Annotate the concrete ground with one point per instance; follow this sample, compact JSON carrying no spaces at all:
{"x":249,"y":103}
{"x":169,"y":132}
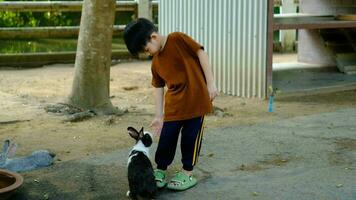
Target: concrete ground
{"x":312,"y":156}
{"x":292,"y":79}
{"x":309,"y":157}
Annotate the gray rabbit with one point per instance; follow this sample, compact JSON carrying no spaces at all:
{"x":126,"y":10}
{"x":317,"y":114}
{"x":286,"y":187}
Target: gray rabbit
{"x":38,"y":159}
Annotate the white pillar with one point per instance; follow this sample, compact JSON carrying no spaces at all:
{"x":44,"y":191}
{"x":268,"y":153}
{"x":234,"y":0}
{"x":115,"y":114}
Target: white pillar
{"x":144,"y":9}
{"x":288,"y":37}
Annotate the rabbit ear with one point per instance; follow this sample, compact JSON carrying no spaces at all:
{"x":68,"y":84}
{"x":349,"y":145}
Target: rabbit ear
{"x":5,"y":147}
{"x":12,"y":150}
{"x":141,"y":132}
{"x":133,"y":132}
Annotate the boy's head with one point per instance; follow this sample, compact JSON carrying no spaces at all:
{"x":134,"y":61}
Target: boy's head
{"x":141,"y":36}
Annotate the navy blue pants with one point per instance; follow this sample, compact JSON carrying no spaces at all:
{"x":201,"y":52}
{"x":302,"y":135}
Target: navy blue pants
{"x":191,"y":137}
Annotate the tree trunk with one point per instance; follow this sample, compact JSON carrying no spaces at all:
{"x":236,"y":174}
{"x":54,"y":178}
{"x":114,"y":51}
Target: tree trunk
{"x":91,"y":83}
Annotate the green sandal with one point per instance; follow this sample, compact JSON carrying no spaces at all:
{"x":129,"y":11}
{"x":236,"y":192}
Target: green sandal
{"x":181,"y":182}
{"x":160,"y":178}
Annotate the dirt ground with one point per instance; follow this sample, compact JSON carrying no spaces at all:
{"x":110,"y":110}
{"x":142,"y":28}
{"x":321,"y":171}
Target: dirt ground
{"x":25,"y":92}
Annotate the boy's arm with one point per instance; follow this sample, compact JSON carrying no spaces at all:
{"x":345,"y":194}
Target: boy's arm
{"x":157,"y":122}
{"x":159,"y":101}
{"x":204,"y":62}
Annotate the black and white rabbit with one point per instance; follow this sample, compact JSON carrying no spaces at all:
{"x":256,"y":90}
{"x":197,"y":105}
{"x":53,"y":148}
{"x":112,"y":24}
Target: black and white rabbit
{"x":140,"y":172}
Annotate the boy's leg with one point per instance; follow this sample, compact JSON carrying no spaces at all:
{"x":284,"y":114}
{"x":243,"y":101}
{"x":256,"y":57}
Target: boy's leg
{"x":191,"y":139}
{"x":167,"y":144}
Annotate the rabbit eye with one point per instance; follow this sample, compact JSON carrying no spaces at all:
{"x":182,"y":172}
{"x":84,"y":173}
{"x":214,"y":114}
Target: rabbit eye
{"x":147,"y":140}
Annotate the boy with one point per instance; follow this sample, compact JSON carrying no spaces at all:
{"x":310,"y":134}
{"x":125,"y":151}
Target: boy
{"x":180,"y":64}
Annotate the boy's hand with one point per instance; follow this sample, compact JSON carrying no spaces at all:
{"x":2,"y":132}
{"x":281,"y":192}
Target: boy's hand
{"x":213,"y":92}
{"x":157,"y":125}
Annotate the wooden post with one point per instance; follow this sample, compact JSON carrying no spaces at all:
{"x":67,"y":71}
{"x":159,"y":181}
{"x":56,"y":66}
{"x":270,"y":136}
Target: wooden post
{"x":288,"y":37}
{"x":39,"y":59}
{"x":46,"y":32}
{"x":145,"y":9}
{"x":72,"y":6}
{"x":269,"y":70}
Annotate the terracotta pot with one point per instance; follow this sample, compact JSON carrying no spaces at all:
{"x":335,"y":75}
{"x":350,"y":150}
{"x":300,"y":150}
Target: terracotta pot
{"x":9,"y":182}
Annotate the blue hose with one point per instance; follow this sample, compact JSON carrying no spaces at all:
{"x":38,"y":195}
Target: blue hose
{"x":270,"y":104}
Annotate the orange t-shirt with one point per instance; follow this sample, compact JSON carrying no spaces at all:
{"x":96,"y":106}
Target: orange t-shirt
{"x":177,"y":66}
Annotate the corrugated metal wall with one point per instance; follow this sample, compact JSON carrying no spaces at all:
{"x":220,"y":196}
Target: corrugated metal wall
{"x":233,"y":32}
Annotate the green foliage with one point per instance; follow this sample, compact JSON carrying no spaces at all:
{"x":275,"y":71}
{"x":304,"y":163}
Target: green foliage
{"x":40,"y":19}
{"x":10,"y":19}
{"x":33,"y":19}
